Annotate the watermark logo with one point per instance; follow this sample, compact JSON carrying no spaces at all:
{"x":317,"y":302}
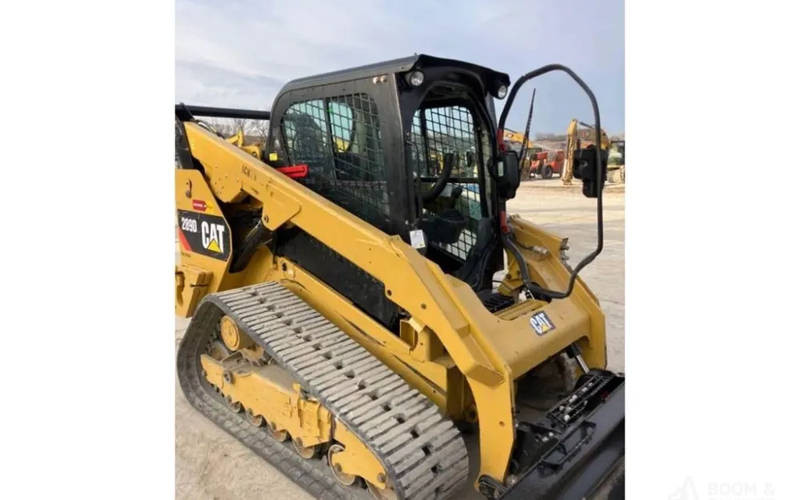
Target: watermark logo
{"x":685,"y":492}
{"x":723,"y":490}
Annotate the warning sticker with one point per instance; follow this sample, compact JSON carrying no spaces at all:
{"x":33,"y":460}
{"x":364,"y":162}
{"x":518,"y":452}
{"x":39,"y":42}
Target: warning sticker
{"x":417,"y":238}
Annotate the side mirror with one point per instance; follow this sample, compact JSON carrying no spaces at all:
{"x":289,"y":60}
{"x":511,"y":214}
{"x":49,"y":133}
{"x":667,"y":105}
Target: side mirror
{"x":585,"y":169}
{"x":508,"y":175}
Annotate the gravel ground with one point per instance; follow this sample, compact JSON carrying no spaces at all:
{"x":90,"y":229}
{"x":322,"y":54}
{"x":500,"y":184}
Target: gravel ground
{"x":212,"y":465}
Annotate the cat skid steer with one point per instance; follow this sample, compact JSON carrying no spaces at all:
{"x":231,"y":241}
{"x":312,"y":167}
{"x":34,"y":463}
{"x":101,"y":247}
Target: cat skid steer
{"x":353,"y":319}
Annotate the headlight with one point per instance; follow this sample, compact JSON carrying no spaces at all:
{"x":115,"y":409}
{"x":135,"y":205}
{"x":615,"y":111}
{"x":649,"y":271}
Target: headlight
{"x":415,"y":78}
{"x":502,"y":91}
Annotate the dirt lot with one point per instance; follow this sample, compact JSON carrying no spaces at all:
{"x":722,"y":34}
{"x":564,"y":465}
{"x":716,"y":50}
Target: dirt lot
{"x":211,"y":465}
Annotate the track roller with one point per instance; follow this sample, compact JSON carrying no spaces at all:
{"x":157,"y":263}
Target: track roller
{"x":234,"y":406}
{"x":338,"y":473}
{"x":279,"y":436}
{"x":254,"y":419}
{"x":306,"y":452}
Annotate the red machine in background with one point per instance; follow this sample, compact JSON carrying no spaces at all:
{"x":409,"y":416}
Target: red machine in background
{"x":547,"y":162}
{"x":537,"y":160}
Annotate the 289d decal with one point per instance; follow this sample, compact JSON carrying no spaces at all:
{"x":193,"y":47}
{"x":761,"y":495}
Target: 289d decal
{"x":204,"y":234}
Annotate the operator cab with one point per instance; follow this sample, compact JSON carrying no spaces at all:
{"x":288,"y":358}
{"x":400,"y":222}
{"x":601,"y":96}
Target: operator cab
{"x":405,"y":145}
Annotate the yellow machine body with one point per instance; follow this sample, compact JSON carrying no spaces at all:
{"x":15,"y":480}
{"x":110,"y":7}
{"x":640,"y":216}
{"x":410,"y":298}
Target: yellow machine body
{"x":486,"y":353}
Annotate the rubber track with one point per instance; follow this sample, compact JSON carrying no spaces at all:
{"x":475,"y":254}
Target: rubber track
{"x":422,"y":451}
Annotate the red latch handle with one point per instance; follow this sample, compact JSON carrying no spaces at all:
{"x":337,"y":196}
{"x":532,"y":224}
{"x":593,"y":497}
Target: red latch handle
{"x":294,"y":171}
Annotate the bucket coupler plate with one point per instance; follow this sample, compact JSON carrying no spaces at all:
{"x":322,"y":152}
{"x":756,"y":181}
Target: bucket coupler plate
{"x":577,"y":447}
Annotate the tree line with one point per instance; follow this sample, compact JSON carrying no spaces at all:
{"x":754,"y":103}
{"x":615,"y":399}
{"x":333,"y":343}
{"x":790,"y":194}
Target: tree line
{"x":253,"y":129}
{"x":548,"y":136}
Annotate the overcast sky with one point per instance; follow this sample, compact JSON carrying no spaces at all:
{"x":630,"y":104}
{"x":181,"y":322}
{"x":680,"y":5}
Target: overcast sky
{"x":239,"y":53}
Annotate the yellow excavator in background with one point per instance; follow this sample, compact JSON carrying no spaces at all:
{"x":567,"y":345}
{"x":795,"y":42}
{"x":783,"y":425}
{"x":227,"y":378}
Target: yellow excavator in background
{"x":353,"y":318}
{"x":238,"y":140}
{"x":534,"y":156}
{"x":518,"y":138}
{"x":578,"y":139}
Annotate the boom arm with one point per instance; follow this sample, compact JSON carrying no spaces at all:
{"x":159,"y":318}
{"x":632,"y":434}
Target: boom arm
{"x":513,"y":136}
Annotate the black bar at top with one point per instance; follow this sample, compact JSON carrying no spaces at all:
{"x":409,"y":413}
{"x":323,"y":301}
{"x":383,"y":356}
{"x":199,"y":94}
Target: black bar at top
{"x":212,"y":112}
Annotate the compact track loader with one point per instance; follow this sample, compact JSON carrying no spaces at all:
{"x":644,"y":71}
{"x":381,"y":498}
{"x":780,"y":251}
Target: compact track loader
{"x":368,"y":318}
